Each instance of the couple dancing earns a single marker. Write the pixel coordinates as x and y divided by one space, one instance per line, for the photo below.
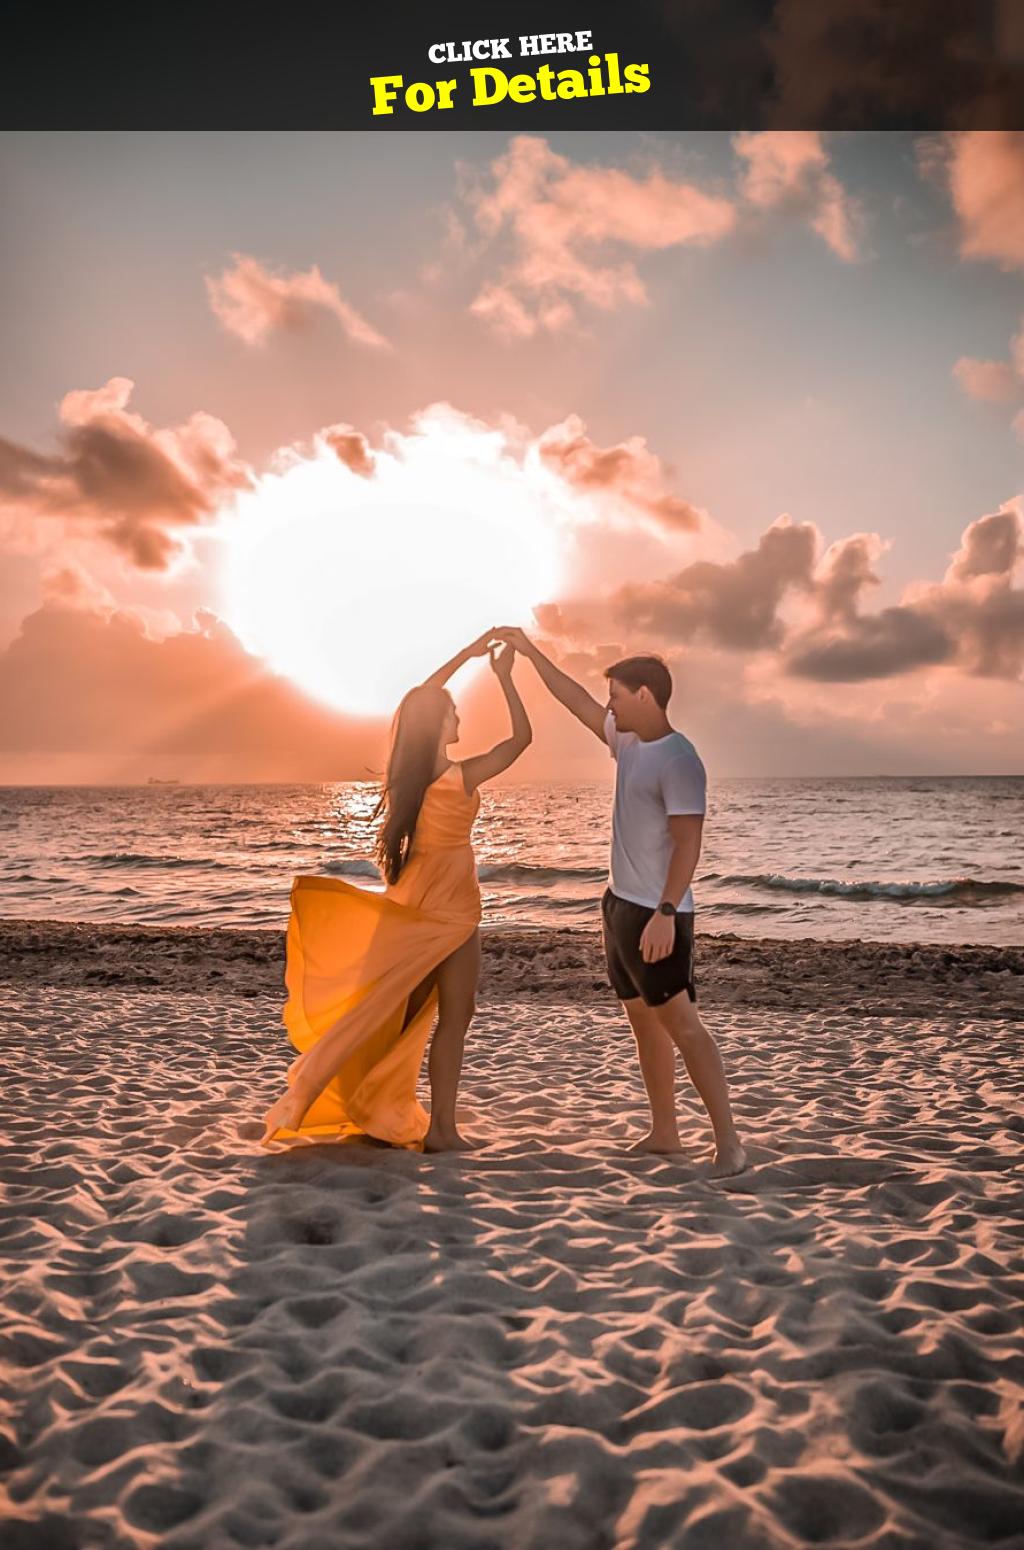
366 973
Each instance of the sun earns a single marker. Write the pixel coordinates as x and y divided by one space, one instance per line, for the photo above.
357 587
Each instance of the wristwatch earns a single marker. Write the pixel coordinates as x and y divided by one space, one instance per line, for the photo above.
666 907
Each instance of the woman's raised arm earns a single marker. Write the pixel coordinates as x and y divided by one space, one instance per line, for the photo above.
476 648
485 766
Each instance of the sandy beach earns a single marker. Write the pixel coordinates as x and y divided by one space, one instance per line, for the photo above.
546 1342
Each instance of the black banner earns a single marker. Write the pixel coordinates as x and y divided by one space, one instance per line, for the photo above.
561 64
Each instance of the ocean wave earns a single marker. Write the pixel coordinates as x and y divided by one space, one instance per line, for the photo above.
519 872
948 890
130 858
351 867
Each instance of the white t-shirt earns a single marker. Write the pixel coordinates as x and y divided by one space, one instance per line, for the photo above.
652 780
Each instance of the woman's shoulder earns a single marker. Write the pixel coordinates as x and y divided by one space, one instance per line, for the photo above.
454 776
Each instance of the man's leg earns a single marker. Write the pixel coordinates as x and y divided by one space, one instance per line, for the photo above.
657 1055
681 1021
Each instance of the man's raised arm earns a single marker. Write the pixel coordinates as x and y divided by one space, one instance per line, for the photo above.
565 689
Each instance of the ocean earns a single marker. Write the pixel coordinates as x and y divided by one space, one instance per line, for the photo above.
904 859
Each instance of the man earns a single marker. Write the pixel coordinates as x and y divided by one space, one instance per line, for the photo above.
647 909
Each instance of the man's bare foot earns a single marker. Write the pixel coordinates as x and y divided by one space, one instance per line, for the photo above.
285 1114
659 1144
446 1141
728 1160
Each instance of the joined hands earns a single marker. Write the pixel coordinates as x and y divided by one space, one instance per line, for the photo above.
511 637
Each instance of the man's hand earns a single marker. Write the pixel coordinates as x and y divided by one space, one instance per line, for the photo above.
513 635
658 938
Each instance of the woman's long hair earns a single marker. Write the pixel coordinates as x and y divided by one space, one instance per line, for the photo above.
412 757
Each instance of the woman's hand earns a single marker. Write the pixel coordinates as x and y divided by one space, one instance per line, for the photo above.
482 644
501 661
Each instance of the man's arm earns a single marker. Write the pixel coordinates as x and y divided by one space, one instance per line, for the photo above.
565 689
659 935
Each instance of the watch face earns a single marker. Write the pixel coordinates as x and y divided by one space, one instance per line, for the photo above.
667 908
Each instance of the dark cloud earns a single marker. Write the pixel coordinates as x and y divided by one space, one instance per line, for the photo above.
136 487
846 570
880 646
973 619
735 604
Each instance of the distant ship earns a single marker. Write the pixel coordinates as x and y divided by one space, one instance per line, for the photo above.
154 780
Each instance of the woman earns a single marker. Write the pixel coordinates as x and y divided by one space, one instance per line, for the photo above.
366 971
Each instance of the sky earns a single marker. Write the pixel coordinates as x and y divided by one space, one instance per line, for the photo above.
287 417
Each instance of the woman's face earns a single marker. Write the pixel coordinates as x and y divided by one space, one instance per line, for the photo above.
450 730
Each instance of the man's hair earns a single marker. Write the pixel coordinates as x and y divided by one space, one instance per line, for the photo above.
643 673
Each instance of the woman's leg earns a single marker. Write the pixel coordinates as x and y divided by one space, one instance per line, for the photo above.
417 997
457 978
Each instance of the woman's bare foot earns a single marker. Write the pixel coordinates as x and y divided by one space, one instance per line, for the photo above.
285 1114
728 1160
655 1142
446 1141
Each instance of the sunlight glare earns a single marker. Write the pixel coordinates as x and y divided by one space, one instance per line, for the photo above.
357 588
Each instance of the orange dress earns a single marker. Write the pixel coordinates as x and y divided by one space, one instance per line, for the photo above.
353 959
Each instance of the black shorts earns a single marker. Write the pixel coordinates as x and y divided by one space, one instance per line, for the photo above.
622 922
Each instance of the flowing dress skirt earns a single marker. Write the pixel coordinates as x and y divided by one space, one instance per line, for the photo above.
353 959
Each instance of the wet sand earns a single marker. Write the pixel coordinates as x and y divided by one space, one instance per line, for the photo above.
732 971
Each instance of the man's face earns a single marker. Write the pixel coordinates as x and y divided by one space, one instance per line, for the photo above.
624 704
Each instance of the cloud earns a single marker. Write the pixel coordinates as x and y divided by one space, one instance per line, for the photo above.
973 620
735 604
787 170
138 488
996 382
350 447
85 678
560 218
71 585
846 569
992 546
879 646
628 472
252 302
983 170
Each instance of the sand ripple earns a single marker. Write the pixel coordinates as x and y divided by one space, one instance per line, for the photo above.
546 1343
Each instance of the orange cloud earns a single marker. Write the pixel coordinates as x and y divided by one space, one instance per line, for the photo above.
994 381
138 488
560 218
628 471
984 172
787 170
251 302
88 679
350 447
